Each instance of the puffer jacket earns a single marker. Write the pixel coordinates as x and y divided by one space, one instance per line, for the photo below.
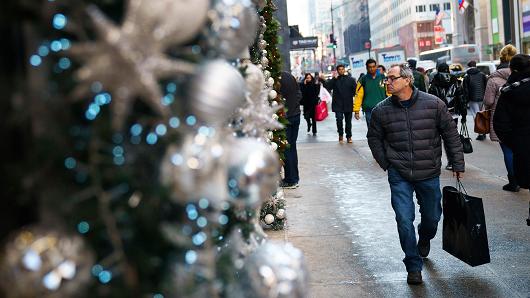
474 85
512 124
410 139
491 96
343 88
446 87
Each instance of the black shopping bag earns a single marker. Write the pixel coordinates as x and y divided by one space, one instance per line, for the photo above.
464 227
465 139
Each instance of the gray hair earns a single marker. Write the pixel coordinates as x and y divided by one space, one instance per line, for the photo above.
405 72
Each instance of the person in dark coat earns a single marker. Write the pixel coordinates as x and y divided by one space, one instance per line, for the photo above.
405 137
511 121
343 88
474 86
290 90
419 78
310 91
446 87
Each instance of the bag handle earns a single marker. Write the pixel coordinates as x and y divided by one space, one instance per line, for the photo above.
463 130
460 186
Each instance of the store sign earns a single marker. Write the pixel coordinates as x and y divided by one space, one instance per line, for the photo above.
304 43
439 34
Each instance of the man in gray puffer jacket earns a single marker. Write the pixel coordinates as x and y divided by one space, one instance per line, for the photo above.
405 137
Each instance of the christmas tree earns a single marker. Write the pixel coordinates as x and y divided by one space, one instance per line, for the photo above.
121 157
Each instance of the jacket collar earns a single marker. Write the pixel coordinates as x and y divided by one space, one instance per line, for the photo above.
413 98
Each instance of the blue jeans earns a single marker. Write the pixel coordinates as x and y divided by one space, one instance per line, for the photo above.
291 156
367 116
339 116
508 159
429 196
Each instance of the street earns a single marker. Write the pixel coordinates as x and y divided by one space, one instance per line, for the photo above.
341 218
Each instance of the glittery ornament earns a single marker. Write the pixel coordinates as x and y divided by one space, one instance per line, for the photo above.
39 262
129 60
255 80
216 91
269 218
264 61
194 170
275 270
262 44
273 94
233 27
253 172
274 146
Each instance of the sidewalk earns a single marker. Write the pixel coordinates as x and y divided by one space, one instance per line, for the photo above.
341 218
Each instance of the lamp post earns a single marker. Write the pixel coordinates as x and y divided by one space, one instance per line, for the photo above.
333 41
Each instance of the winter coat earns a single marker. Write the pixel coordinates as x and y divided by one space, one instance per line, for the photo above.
419 80
512 125
290 90
474 85
410 139
447 88
310 98
343 88
491 95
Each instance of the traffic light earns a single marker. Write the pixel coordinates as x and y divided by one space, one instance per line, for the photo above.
332 41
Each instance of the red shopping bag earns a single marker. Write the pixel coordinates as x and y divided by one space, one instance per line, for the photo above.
321 111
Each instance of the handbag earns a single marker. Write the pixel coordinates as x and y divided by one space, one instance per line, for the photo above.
321 111
482 122
464 226
465 139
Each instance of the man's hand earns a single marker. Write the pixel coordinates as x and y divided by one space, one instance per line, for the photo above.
458 175
357 116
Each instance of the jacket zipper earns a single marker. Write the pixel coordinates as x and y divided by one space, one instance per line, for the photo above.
410 142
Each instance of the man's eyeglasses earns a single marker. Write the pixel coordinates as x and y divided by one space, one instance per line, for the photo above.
391 79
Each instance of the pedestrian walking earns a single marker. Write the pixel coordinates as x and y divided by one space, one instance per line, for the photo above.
474 86
446 87
371 90
425 76
405 139
343 88
491 96
381 69
511 121
419 78
310 91
290 90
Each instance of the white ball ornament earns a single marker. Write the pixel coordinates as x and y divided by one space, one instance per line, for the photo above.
280 214
273 94
269 218
274 146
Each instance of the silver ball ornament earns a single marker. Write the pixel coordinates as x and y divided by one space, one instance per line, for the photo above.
233 27
275 270
215 92
40 262
253 172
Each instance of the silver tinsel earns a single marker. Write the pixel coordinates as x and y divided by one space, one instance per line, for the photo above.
40 262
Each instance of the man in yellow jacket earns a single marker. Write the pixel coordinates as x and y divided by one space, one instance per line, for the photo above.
370 91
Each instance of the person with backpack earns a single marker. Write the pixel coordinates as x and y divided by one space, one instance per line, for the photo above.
447 87
474 86
419 78
370 91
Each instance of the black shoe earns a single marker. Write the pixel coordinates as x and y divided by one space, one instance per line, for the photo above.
288 185
512 185
481 137
449 167
314 134
414 278
424 247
